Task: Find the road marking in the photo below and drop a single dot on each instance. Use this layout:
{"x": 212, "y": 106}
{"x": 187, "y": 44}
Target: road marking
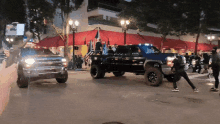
{"x": 197, "y": 75}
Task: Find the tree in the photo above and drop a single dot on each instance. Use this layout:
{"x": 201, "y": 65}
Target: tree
{"x": 199, "y": 16}
{"x": 163, "y": 13}
{"x": 39, "y": 10}
{"x": 66, "y": 7}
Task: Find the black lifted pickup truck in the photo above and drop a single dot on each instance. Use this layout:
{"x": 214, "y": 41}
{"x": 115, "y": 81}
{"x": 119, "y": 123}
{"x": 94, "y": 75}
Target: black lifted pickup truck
{"x": 142, "y": 59}
{"x": 34, "y": 64}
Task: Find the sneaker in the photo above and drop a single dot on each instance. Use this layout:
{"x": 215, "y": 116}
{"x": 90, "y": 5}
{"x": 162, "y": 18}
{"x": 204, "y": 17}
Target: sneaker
{"x": 214, "y": 89}
{"x": 175, "y": 90}
{"x": 195, "y": 90}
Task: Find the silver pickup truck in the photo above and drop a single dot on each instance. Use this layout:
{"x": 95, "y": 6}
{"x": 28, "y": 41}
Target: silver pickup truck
{"x": 34, "y": 64}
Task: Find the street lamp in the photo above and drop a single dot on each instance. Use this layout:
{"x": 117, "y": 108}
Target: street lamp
{"x": 124, "y": 24}
{"x": 73, "y": 27}
{"x": 211, "y": 38}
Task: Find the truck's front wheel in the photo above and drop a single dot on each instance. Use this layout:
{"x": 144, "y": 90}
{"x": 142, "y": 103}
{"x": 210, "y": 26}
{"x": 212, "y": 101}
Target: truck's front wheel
{"x": 153, "y": 76}
{"x": 119, "y": 73}
{"x": 170, "y": 78}
{"x": 96, "y": 72}
{"x": 63, "y": 78}
{"x": 22, "y": 81}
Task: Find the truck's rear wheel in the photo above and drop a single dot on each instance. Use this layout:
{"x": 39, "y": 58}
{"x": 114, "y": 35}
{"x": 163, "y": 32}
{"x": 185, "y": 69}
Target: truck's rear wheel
{"x": 118, "y": 74}
{"x": 170, "y": 78}
{"x": 153, "y": 76}
{"x": 22, "y": 81}
{"x": 63, "y": 79}
{"x": 96, "y": 72}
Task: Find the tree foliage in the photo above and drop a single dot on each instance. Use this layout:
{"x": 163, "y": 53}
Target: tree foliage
{"x": 66, "y": 7}
{"x": 173, "y": 17}
{"x": 39, "y": 10}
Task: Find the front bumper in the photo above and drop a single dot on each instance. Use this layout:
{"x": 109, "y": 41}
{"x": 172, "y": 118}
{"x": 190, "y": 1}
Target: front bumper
{"x": 47, "y": 72}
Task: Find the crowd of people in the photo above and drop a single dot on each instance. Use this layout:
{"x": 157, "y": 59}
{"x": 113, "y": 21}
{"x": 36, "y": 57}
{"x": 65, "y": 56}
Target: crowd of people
{"x": 178, "y": 68}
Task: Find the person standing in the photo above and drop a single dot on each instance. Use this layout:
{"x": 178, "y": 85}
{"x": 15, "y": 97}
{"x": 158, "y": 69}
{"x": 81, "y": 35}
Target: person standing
{"x": 205, "y": 62}
{"x": 198, "y": 65}
{"x": 191, "y": 58}
{"x": 98, "y": 47}
{"x": 215, "y": 69}
{"x": 179, "y": 71}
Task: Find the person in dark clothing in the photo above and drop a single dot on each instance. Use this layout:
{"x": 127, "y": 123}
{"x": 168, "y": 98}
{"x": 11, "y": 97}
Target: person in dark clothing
{"x": 198, "y": 64}
{"x": 215, "y": 69}
{"x": 179, "y": 71}
{"x": 110, "y": 51}
{"x": 190, "y": 59}
{"x": 206, "y": 59}
{"x": 98, "y": 47}
{"x": 187, "y": 57}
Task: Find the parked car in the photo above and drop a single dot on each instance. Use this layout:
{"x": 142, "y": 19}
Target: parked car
{"x": 34, "y": 64}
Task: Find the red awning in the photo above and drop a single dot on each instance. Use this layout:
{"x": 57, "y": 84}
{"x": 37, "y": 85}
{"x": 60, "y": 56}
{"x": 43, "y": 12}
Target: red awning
{"x": 176, "y": 44}
{"x": 82, "y": 37}
{"x": 190, "y": 45}
{"x": 49, "y": 42}
{"x": 112, "y": 37}
{"x": 156, "y": 41}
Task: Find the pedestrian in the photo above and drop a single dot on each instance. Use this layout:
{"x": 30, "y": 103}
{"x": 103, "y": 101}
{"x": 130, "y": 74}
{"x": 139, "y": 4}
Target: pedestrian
{"x": 187, "y": 57}
{"x": 110, "y": 51}
{"x": 179, "y": 71}
{"x": 215, "y": 69}
{"x": 198, "y": 64}
{"x": 191, "y": 58}
{"x": 98, "y": 47}
{"x": 206, "y": 59}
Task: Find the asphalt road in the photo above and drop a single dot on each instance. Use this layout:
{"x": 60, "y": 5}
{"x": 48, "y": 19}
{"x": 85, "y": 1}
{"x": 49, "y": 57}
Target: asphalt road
{"x": 83, "y": 100}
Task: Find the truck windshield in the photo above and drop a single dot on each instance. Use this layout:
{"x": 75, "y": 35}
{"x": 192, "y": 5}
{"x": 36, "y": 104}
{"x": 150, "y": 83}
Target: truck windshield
{"x": 30, "y": 51}
{"x": 155, "y": 49}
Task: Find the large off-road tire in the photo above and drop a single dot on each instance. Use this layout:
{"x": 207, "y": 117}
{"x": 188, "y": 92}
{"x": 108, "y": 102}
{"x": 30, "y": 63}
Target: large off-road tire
{"x": 96, "y": 72}
{"x": 63, "y": 79}
{"x": 170, "y": 78}
{"x": 118, "y": 74}
{"x": 153, "y": 76}
{"x": 22, "y": 81}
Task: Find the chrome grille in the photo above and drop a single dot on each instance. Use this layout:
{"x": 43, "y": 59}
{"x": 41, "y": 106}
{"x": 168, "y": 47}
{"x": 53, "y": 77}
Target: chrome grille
{"x": 41, "y": 62}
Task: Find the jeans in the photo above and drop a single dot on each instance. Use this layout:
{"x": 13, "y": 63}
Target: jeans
{"x": 182, "y": 73}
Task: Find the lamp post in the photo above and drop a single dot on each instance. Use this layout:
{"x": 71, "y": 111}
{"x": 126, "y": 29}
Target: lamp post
{"x": 124, "y": 24}
{"x": 73, "y": 27}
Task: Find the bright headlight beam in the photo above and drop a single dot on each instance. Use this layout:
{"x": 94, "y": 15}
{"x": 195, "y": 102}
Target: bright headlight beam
{"x": 63, "y": 60}
{"x": 29, "y": 61}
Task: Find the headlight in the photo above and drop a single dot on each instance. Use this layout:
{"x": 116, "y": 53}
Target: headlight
{"x": 170, "y": 58}
{"x": 11, "y": 39}
{"x": 63, "y": 60}
{"x": 29, "y": 61}
{"x": 170, "y": 61}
